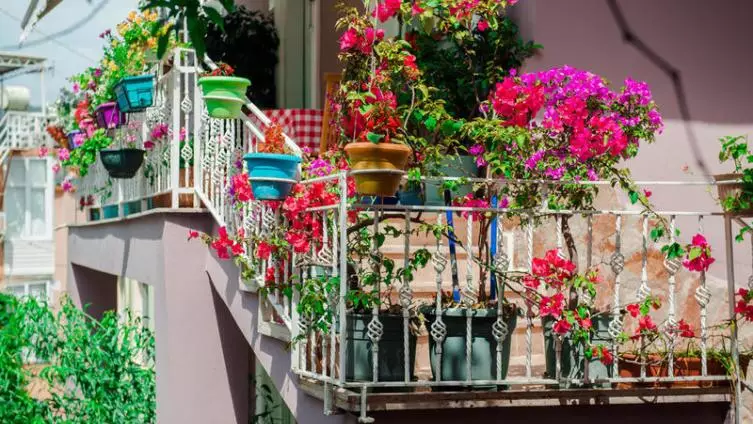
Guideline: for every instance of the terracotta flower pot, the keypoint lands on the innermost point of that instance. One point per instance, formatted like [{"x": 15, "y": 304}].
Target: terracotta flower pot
[
  {"x": 731, "y": 190},
  {"x": 383, "y": 161},
  {"x": 683, "y": 367}
]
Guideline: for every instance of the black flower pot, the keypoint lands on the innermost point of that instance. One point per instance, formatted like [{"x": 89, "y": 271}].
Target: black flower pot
[{"x": 122, "y": 163}]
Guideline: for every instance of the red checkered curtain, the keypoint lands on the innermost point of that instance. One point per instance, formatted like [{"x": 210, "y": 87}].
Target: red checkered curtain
[{"x": 304, "y": 126}]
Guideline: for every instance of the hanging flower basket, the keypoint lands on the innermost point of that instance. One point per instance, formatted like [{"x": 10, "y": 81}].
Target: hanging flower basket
[
  {"x": 122, "y": 163},
  {"x": 272, "y": 175},
  {"x": 135, "y": 94},
  {"x": 224, "y": 95},
  {"x": 109, "y": 116},
  {"x": 378, "y": 167}
]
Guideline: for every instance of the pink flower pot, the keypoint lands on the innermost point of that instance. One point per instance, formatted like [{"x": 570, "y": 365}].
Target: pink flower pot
[{"x": 109, "y": 116}]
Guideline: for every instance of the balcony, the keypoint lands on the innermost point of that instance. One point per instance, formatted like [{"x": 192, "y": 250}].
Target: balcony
[{"x": 480, "y": 255}]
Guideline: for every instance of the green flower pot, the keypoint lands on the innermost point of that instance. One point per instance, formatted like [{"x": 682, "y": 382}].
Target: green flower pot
[
  {"x": 483, "y": 344},
  {"x": 224, "y": 96},
  {"x": 451, "y": 166},
  {"x": 359, "y": 359},
  {"x": 572, "y": 359}
]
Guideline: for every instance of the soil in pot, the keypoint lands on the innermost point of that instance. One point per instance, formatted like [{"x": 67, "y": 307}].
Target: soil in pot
[
  {"x": 572, "y": 360},
  {"x": 379, "y": 167},
  {"x": 122, "y": 163},
  {"x": 359, "y": 359},
  {"x": 657, "y": 366},
  {"x": 483, "y": 344}
]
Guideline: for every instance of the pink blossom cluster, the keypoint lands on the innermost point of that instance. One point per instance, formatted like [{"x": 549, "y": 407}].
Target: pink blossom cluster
[
  {"x": 698, "y": 257},
  {"x": 353, "y": 40}
]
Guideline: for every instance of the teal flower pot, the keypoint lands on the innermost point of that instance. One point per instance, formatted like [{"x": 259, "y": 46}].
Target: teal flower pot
[
  {"x": 134, "y": 94},
  {"x": 483, "y": 344},
  {"x": 572, "y": 359},
  {"x": 224, "y": 96},
  {"x": 280, "y": 169},
  {"x": 359, "y": 359},
  {"x": 451, "y": 166},
  {"x": 411, "y": 195}
]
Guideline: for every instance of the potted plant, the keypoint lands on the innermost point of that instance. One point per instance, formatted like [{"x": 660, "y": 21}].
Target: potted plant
[
  {"x": 223, "y": 93},
  {"x": 124, "y": 162},
  {"x": 254, "y": 31},
  {"x": 576, "y": 336},
  {"x": 109, "y": 116},
  {"x": 736, "y": 189},
  {"x": 272, "y": 170},
  {"x": 135, "y": 93},
  {"x": 86, "y": 154}
]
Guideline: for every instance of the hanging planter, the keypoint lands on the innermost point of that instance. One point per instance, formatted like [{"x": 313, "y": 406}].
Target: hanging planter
[
  {"x": 272, "y": 170},
  {"x": 109, "y": 116},
  {"x": 122, "y": 163},
  {"x": 135, "y": 94},
  {"x": 75, "y": 139},
  {"x": 378, "y": 167},
  {"x": 223, "y": 93}
]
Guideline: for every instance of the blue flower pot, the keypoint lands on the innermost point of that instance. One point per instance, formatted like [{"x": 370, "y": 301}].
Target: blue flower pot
[
  {"x": 272, "y": 166},
  {"x": 135, "y": 94},
  {"x": 378, "y": 200}
]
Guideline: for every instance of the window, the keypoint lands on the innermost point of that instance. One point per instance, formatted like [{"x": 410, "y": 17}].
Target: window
[
  {"x": 138, "y": 298},
  {"x": 28, "y": 199},
  {"x": 37, "y": 289}
]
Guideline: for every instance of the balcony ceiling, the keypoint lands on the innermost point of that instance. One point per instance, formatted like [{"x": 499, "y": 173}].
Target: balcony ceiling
[{"x": 10, "y": 62}]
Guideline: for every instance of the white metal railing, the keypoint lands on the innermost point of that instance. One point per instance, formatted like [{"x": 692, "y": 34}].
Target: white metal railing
[
  {"x": 623, "y": 241},
  {"x": 24, "y": 130}
]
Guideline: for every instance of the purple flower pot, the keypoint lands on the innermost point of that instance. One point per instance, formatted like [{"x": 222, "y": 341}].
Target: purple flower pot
[
  {"x": 109, "y": 116},
  {"x": 75, "y": 139}
]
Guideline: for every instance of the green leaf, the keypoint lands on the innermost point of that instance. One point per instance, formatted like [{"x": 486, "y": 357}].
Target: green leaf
[
  {"x": 633, "y": 196},
  {"x": 430, "y": 123},
  {"x": 374, "y": 138},
  {"x": 162, "y": 45},
  {"x": 215, "y": 17}
]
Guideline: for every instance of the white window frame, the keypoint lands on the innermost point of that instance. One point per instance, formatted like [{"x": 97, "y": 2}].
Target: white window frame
[
  {"x": 28, "y": 186},
  {"x": 27, "y": 284}
]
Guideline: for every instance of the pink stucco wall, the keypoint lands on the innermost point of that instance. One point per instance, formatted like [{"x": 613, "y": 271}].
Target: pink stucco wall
[{"x": 709, "y": 46}]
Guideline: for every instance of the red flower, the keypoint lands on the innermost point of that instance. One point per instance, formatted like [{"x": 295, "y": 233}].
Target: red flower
[
  {"x": 698, "y": 257},
  {"x": 606, "y": 356},
  {"x": 482, "y": 26},
  {"x": 387, "y": 9},
  {"x": 191, "y": 233},
  {"x": 299, "y": 241},
  {"x": 562, "y": 327},
  {"x": 540, "y": 267},
  {"x": 552, "y": 306},
  {"x": 647, "y": 193},
  {"x": 264, "y": 250},
  {"x": 416, "y": 9},
  {"x": 645, "y": 325},
  {"x": 634, "y": 310},
  {"x": 684, "y": 329},
  {"x": 586, "y": 323},
  {"x": 531, "y": 282}
]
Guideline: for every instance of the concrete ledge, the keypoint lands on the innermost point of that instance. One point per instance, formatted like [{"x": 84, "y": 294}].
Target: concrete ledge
[{"x": 351, "y": 401}]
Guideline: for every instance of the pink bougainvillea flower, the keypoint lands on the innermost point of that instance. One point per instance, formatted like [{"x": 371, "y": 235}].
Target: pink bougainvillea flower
[
  {"x": 264, "y": 250},
  {"x": 684, "y": 329},
  {"x": 348, "y": 39},
  {"x": 531, "y": 282},
  {"x": 633, "y": 309},
  {"x": 562, "y": 327},
  {"x": 387, "y": 9},
  {"x": 698, "y": 257},
  {"x": 56, "y": 168},
  {"x": 606, "y": 356},
  {"x": 43, "y": 151},
  {"x": 63, "y": 154},
  {"x": 482, "y": 25},
  {"x": 647, "y": 193},
  {"x": 193, "y": 234},
  {"x": 552, "y": 305},
  {"x": 416, "y": 9}
]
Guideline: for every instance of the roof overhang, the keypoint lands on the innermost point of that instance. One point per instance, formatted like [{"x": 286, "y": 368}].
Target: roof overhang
[
  {"x": 34, "y": 13},
  {"x": 10, "y": 62}
]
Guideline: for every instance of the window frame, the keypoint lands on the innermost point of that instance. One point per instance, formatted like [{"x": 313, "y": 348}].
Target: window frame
[{"x": 28, "y": 187}]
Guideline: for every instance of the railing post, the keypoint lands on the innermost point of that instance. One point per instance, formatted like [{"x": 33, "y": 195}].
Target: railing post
[
  {"x": 730, "y": 258},
  {"x": 198, "y": 131},
  {"x": 175, "y": 141},
  {"x": 343, "y": 244}
]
